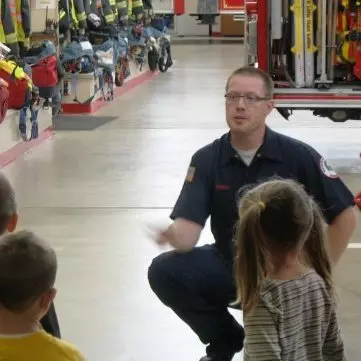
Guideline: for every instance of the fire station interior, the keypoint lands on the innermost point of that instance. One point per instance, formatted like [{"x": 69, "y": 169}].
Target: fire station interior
[{"x": 103, "y": 104}]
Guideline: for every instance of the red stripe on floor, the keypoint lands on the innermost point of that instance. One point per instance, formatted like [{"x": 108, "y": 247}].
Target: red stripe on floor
[{"x": 15, "y": 152}]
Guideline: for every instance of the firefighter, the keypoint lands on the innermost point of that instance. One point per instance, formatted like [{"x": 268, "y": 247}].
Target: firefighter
[
  {"x": 197, "y": 283},
  {"x": 7, "y": 29}
]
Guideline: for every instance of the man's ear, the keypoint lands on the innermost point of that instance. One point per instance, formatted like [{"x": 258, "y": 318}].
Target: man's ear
[
  {"x": 12, "y": 223},
  {"x": 270, "y": 106}
]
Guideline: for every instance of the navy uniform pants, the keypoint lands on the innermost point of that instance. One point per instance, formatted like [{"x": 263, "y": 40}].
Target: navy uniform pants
[
  {"x": 198, "y": 286},
  {"x": 50, "y": 322}
]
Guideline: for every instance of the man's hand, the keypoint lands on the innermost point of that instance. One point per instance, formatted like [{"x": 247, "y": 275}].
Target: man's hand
[
  {"x": 161, "y": 236},
  {"x": 182, "y": 235}
]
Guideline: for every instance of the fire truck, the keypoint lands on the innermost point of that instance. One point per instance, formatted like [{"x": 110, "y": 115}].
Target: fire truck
[{"x": 312, "y": 50}]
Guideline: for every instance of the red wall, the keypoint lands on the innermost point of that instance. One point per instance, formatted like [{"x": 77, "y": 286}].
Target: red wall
[
  {"x": 179, "y": 7},
  {"x": 231, "y": 4}
]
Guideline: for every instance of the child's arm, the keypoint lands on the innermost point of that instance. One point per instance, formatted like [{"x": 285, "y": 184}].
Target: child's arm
[{"x": 262, "y": 339}]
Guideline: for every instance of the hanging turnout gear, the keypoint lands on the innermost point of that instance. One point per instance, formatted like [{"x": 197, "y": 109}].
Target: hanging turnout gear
[
  {"x": 72, "y": 16},
  {"x": 137, "y": 10},
  {"x": 122, "y": 7},
  {"x": 114, "y": 8},
  {"x": 79, "y": 13},
  {"x": 87, "y": 9},
  {"x": 130, "y": 7},
  {"x": 7, "y": 29},
  {"x": 148, "y": 10},
  {"x": 65, "y": 20},
  {"x": 108, "y": 12},
  {"x": 20, "y": 12}
]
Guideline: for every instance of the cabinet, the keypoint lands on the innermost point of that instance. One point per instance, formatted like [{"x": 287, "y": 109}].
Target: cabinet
[
  {"x": 232, "y": 25},
  {"x": 231, "y": 5},
  {"x": 232, "y": 17}
]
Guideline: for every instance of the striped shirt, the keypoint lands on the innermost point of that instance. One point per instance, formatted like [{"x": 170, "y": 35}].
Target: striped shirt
[{"x": 295, "y": 320}]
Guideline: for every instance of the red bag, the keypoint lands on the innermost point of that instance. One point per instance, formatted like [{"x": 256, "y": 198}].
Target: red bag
[
  {"x": 18, "y": 89},
  {"x": 4, "y": 100},
  {"x": 45, "y": 76}
]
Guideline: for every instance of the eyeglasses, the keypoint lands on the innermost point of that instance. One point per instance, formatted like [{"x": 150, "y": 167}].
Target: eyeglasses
[{"x": 249, "y": 99}]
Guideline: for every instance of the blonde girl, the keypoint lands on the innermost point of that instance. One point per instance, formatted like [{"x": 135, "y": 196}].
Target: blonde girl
[{"x": 283, "y": 275}]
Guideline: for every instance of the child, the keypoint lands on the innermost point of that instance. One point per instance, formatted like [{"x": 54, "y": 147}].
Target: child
[
  {"x": 27, "y": 274},
  {"x": 8, "y": 223},
  {"x": 283, "y": 276}
]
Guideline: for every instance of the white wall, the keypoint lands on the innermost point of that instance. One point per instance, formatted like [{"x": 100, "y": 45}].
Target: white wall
[
  {"x": 186, "y": 25},
  {"x": 163, "y": 6}
]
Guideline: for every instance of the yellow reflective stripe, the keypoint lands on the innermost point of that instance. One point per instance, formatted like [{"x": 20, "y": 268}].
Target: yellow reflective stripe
[
  {"x": 62, "y": 14},
  {"x": 73, "y": 15},
  {"x": 109, "y": 18},
  {"x": 81, "y": 16},
  {"x": 122, "y": 5},
  {"x": 11, "y": 38},
  {"x": 137, "y": 3},
  {"x": 112, "y": 2}
]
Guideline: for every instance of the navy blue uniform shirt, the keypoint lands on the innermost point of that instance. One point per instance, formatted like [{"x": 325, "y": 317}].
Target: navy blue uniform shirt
[{"x": 216, "y": 174}]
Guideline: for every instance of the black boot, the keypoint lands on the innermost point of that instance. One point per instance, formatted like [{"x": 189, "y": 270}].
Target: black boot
[
  {"x": 225, "y": 350},
  {"x": 218, "y": 357}
]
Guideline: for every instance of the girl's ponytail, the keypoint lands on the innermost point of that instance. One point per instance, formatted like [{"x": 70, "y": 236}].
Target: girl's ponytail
[
  {"x": 316, "y": 248},
  {"x": 250, "y": 262}
]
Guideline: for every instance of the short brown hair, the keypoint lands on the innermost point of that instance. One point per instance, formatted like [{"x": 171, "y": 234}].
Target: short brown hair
[
  {"x": 256, "y": 72},
  {"x": 7, "y": 202},
  {"x": 27, "y": 269}
]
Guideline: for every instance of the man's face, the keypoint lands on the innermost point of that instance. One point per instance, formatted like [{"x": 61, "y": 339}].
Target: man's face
[{"x": 246, "y": 106}]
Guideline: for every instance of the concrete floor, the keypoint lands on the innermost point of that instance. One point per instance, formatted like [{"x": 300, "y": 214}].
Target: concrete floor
[{"x": 92, "y": 194}]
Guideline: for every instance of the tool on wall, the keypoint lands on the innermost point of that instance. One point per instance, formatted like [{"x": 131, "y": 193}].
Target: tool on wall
[{"x": 50, "y": 24}]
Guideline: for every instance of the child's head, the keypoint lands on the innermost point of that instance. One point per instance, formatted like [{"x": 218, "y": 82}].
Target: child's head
[
  {"x": 8, "y": 209},
  {"x": 279, "y": 222},
  {"x": 27, "y": 274}
]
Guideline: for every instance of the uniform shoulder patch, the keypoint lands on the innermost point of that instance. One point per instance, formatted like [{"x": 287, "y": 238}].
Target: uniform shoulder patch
[
  {"x": 190, "y": 174},
  {"x": 327, "y": 170}
]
